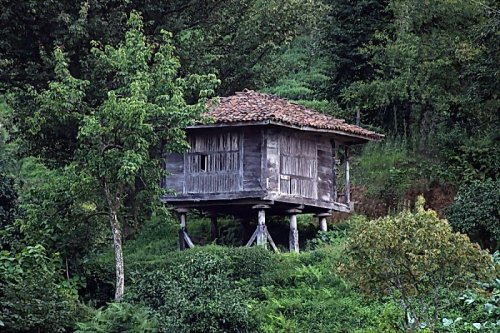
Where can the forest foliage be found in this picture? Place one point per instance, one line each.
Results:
(93, 93)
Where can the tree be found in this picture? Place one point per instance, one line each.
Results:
(212, 35)
(346, 29)
(8, 195)
(121, 140)
(476, 211)
(416, 259)
(433, 66)
(58, 209)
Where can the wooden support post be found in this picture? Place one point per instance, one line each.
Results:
(252, 239)
(261, 233)
(261, 228)
(214, 228)
(184, 239)
(335, 169)
(294, 232)
(347, 187)
(322, 221)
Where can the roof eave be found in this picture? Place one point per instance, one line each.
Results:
(276, 123)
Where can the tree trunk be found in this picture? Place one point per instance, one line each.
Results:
(117, 244)
(114, 205)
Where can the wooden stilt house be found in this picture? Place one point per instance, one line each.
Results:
(264, 155)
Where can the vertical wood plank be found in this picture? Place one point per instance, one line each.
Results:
(347, 186)
(335, 172)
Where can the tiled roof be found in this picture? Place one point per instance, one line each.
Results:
(251, 106)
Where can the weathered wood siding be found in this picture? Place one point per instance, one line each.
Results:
(213, 164)
(325, 169)
(252, 155)
(267, 162)
(271, 153)
(298, 165)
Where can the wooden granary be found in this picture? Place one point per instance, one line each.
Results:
(263, 155)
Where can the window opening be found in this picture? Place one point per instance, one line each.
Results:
(203, 162)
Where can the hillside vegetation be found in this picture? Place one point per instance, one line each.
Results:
(94, 93)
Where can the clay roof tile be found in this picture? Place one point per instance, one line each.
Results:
(249, 106)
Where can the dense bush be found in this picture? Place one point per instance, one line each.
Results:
(7, 206)
(120, 318)
(476, 211)
(337, 233)
(220, 289)
(417, 260)
(32, 296)
(194, 292)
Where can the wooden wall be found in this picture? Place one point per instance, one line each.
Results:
(267, 162)
(252, 158)
(218, 161)
(213, 163)
(325, 169)
(174, 164)
(299, 164)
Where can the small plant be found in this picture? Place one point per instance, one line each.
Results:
(478, 309)
(120, 318)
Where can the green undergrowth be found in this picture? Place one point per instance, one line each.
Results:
(386, 169)
(215, 288)
(224, 289)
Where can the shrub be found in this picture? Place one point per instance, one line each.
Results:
(120, 318)
(336, 234)
(476, 310)
(416, 259)
(32, 296)
(467, 157)
(193, 292)
(476, 211)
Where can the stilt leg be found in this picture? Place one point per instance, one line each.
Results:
(261, 229)
(294, 232)
(183, 236)
(261, 233)
(322, 221)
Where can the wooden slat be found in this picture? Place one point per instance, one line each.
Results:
(298, 166)
(214, 163)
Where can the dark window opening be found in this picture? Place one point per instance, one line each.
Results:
(203, 162)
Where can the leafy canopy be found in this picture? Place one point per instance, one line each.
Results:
(414, 258)
(476, 211)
